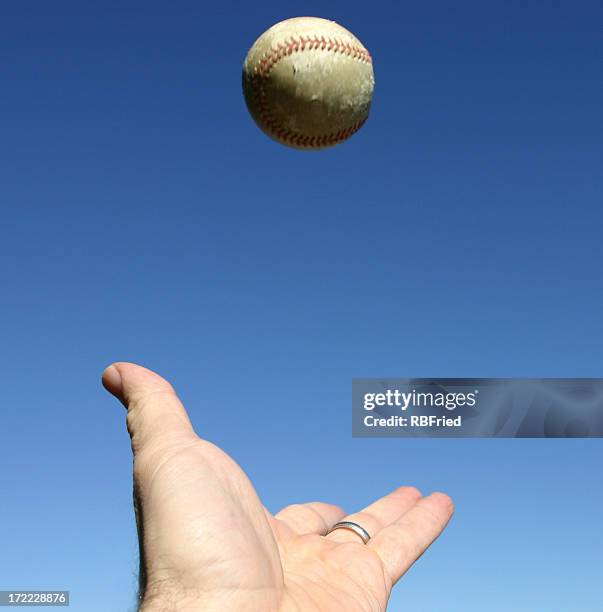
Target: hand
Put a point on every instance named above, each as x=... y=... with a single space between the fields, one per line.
x=208 y=544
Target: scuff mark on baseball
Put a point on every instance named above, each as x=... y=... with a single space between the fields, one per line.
x=308 y=83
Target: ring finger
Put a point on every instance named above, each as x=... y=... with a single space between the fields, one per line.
x=377 y=515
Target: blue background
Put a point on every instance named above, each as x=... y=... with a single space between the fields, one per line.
x=144 y=217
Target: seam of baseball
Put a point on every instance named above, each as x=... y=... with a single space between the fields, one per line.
x=270 y=59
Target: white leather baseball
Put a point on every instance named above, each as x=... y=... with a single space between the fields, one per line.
x=308 y=83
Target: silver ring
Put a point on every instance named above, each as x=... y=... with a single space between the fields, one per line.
x=355 y=527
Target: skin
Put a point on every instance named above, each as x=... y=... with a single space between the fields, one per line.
x=207 y=542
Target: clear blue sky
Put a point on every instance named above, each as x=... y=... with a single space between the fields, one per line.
x=144 y=217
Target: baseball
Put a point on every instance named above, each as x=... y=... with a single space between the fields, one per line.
x=308 y=83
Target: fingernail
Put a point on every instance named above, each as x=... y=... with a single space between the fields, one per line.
x=112 y=381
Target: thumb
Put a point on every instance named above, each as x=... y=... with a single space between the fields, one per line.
x=155 y=414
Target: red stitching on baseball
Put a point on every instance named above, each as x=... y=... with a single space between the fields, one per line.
x=268 y=62
x=301 y=140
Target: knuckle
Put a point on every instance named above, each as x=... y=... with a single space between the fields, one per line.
x=337 y=509
x=139 y=397
x=290 y=509
x=320 y=507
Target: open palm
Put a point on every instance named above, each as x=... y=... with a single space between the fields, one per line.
x=207 y=542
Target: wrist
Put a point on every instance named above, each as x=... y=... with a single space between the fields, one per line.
x=175 y=601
